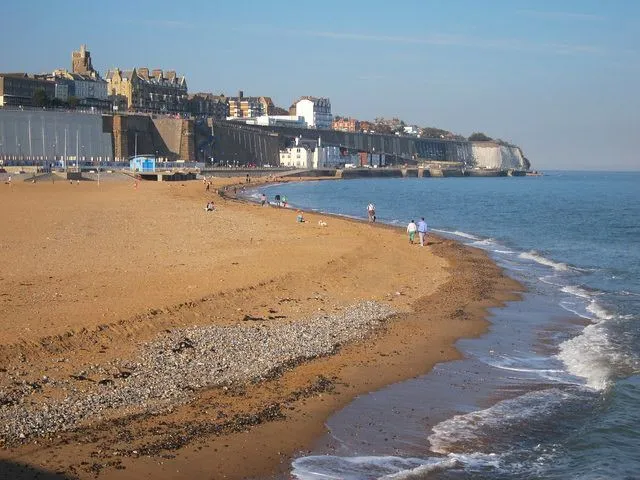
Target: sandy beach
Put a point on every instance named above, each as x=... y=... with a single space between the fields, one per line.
x=143 y=337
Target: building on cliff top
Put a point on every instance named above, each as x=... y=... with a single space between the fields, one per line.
x=155 y=92
x=249 y=107
x=315 y=110
x=209 y=105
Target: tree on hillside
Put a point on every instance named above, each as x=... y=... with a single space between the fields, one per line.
x=479 y=137
x=431 y=132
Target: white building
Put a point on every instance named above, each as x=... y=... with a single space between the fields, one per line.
x=308 y=155
x=90 y=90
x=316 y=111
x=412 y=130
x=273 y=120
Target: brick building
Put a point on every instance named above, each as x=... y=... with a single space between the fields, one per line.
x=209 y=105
x=156 y=92
x=250 y=107
x=346 y=125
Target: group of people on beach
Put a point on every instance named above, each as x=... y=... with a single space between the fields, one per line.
x=420 y=228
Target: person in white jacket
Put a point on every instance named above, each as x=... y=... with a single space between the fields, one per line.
x=412 y=228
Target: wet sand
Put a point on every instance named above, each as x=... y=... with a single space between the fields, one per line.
x=91 y=273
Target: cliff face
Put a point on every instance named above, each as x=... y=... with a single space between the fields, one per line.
x=495 y=156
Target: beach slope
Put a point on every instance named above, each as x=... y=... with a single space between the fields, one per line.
x=144 y=337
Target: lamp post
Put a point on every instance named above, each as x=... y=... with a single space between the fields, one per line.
x=77 y=148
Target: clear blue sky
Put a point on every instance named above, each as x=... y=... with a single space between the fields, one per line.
x=559 y=78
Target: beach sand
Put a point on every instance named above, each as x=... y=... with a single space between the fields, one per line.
x=90 y=273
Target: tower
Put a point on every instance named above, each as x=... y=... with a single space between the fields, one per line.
x=81 y=62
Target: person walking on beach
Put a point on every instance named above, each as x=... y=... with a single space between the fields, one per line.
x=412 y=228
x=371 y=212
x=422 y=231
x=263 y=199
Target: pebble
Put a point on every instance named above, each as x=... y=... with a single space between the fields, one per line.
x=171 y=368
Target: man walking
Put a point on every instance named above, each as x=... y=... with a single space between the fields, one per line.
x=422 y=230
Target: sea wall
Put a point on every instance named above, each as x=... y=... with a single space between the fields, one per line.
x=496 y=156
x=168 y=138
x=42 y=136
x=45 y=136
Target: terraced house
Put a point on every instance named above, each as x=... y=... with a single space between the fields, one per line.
x=155 y=92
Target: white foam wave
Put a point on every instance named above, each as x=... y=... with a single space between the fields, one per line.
x=323 y=467
x=422 y=470
x=592 y=356
x=536 y=257
x=548 y=280
x=576 y=290
x=483 y=243
x=599 y=311
x=329 y=467
x=458 y=234
x=573 y=308
x=476 y=431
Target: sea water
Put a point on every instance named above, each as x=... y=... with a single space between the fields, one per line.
x=553 y=389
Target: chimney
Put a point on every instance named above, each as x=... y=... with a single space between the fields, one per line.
x=157 y=73
x=143 y=72
x=171 y=75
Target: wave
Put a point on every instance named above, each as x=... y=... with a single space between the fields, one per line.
x=330 y=467
x=325 y=467
x=599 y=311
x=493 y=429
x=457 y=233
x=576 y=290
x=593 y=356
x=536 y=257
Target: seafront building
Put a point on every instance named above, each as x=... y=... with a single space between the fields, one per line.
x=141 y=90
x=273 y=121
x=87 y=90
x=249 y=107
x=316 y=111
x=19 y=89
x=346 y=124
x=83 y=83
x=310 y=154
x=209 y=105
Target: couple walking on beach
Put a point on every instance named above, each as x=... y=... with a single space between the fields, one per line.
x=421 y=228
x=371 y=212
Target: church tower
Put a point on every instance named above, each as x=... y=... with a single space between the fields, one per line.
x=81 y=62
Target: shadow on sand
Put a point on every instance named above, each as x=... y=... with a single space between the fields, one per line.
x=21 y=471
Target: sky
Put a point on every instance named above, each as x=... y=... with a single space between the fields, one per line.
x=558 y=78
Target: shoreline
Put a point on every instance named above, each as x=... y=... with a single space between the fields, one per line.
x=248 y=423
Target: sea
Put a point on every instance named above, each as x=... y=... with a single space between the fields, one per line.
x=552 y=390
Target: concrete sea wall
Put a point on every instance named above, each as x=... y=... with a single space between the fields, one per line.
x=42 y=136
